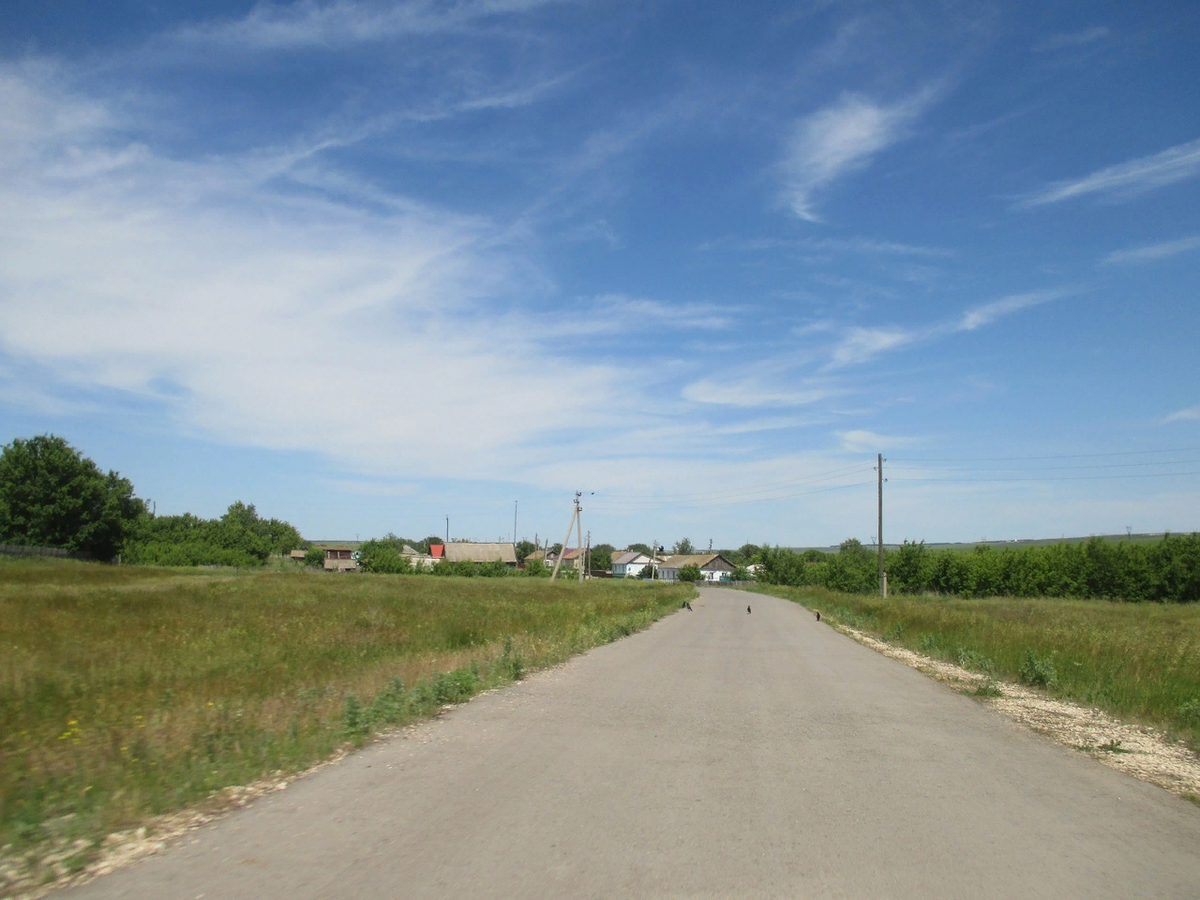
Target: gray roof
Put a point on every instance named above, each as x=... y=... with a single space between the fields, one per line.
x=461 y=551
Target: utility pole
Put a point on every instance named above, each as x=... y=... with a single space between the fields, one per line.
x=882 y=576
x=515 y=524
x=653 y=554
x=579 y=537
x=574 y=516
x=447 y=529
x=588 y=556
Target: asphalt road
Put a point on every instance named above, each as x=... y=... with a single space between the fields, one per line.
x=717 y=754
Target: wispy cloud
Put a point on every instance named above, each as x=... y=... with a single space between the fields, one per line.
x=1071 y=39
x=990 y=312
x=863 y=245
x=861 y=344
x=1151 y=252
x=203 y=287
x=840 y=139
x=1191 y=414
x=1125 y=180
x=753 y=392
x=859 y=441
x=343 y=23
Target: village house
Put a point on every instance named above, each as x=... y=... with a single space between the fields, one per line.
x=340 y=556
x=630 y=564
x=570 y=558
x=712 y=566
x=462 y=551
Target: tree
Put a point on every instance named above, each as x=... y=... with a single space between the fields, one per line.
x=52 y=496
x=315 y=557
x=601 y=558
x=640 y=548
x=689 y=573
x=523 y=549
x=683 y=547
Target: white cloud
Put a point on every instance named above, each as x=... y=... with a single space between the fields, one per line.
x=752 y=392
x=840 y=139
x=1191 y=414
x=1127 y=179
x=1071 y=39
x=380 y=338
x=861 y=344
x=859 y=441
x=271 y=26
x=1136 y=255
x=990 y=312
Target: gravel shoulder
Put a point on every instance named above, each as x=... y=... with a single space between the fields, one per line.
x=1137 y=750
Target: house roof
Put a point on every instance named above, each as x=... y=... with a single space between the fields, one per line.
x=699 y=560
x=335 y=545
x=462 y=551
x=629 y=556
x=437 y=551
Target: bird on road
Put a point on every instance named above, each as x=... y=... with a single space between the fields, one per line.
x=747 y=610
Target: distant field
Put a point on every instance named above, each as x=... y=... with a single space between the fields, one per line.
x=127 y=691
x=1139 y=661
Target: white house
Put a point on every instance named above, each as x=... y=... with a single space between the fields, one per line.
x=630 y=564
x=712 y=566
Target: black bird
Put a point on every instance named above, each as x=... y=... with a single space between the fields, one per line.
x=818 y=616
x=747 y=610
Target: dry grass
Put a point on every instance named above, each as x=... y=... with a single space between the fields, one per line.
x=126 y=692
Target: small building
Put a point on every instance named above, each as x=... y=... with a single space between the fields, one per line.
x=570 y=558
x=340 y=556
x=712 y=566
x=297 y=555
x=416 y=558
x=631 y=563
x=462 y=551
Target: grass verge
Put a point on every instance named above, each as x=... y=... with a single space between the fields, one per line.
x=129 y=692
x=1137 y=661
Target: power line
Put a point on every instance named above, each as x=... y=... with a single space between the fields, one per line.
x=766 y=487
x=1059 y=478
x=1161 y=462
x=657 y=505
x=1020 y=458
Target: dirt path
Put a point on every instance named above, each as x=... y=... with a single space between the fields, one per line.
x=720 y=753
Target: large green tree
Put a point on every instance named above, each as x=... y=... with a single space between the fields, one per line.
x=53 y=496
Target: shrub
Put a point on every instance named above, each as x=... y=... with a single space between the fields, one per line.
x=689 y=573
x=1038 y=671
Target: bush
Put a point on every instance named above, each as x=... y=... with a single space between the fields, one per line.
x=690 y=573
x=1038 y=671
x=315 y=557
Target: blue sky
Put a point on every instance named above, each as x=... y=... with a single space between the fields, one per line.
x=370 y=264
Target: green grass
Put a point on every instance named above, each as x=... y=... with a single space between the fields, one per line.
x=129 y=691
x=1139 y=661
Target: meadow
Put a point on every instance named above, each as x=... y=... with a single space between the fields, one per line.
x=130 y=691
x=1138 y=661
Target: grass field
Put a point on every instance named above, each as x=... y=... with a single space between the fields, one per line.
x=129 y=691
x=1139 y=661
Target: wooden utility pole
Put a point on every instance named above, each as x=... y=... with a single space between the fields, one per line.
x=882 y=577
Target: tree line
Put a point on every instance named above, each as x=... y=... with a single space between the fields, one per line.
x=1165 y=571
x=53 y=496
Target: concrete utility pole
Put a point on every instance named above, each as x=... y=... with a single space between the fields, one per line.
x=570 y=525
x=579 y=537
x=515 y=502
x=882 y=576
x=447 y=529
